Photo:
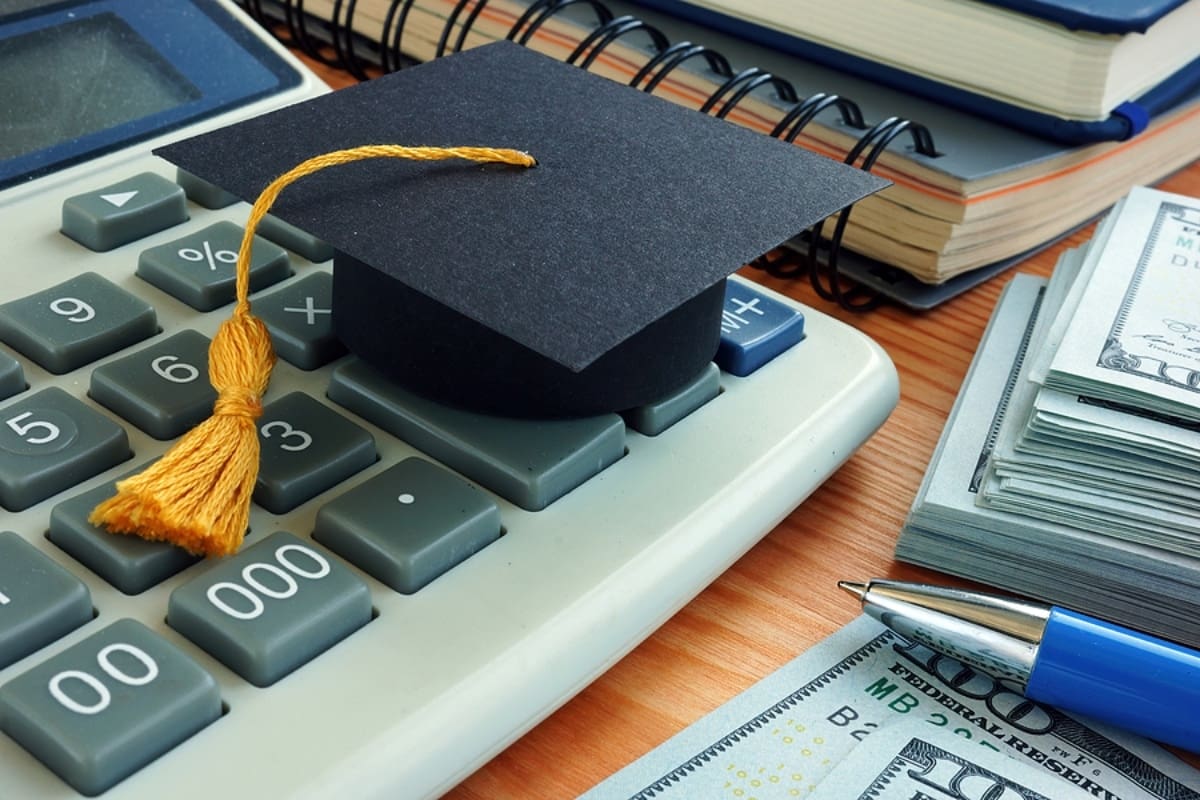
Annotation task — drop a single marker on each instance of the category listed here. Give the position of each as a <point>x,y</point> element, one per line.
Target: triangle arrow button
<point>119,199</point>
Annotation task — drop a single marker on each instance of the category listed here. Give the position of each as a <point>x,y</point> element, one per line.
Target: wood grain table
<point>782,596</point>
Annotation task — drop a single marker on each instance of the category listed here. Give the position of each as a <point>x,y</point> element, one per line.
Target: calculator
<point>420,584</point>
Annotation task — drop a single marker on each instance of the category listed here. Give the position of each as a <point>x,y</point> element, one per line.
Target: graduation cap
<point>592,282</point>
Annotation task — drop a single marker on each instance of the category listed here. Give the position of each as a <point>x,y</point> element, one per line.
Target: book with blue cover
<point>1073,71</point>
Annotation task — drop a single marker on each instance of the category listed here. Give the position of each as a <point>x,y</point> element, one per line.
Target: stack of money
<point>1068,467</point>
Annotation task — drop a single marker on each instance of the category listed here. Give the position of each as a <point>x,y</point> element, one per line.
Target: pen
<point>1054,656</point>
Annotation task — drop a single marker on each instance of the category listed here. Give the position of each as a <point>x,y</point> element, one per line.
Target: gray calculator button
<point>287,235</point>
<point>202,192</point>
<point>529,462</point>
<point>654,418</point>
<point>49,442</point>
<point>12,377</point>
<point>163,389</point>
<point>115,215</point>
<point>305,449</point>
<point>108,706</point>
<point>130,563</point>
<point>198,269</point>
<point>300,319</point>
<point>409,524</point>
<point>39,600</point>
<point>76,322</point>
<point>271,608</point>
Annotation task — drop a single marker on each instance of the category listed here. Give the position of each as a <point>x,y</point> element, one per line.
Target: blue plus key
<point>754,329</point>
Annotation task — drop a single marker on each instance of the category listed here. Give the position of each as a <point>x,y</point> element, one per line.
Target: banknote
<point>1138,345</point>
<point>1059,458</point>
<point>1069,465</point>
<point>1073,272</point>
<point>907,761</point>
<point>1129,582</point>
<point>783,736</point>
<point>1065,420</point>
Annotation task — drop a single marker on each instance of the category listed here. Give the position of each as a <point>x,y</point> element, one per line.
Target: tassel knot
<point>235,403</point>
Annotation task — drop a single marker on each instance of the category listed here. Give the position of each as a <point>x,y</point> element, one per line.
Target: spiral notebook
<point>969,199</point>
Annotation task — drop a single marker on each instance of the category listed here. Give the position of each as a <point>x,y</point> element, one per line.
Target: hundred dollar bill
<point>1128,582</point>
<point>1138,345</point>
<point>915,762</point>
<point>783,736</point>
<point>1059,459</point>
<point>1098,434</point>
<point>1072,273</point>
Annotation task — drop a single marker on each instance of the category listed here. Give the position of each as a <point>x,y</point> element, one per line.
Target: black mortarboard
<point>592,282</point>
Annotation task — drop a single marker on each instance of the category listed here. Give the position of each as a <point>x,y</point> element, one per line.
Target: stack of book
<point>1067,469</point>
<point>1041,116</point>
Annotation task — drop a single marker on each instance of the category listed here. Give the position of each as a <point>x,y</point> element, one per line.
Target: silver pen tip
<point>859,590</point>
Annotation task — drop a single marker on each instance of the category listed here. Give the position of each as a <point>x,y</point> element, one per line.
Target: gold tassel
<point>197,496</point>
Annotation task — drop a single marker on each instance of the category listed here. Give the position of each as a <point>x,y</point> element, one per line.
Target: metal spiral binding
<point>667,60</point>
<point>296,22</point>
<point>741,85</point>
<point>539,12</point>
<point>823,272</point>
<point>343,39</point>
<point>451,19</point>
<point>855,297</point>
<point>390,56</point>
<point>594,43</point>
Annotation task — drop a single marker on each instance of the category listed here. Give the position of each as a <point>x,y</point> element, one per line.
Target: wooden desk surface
<point>782,596</point>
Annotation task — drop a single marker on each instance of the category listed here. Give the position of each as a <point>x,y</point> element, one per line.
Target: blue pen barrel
<point>1138,682</point>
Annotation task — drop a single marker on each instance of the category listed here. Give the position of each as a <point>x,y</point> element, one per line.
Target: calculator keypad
<point>754,329</point>
<point>287,235</point>
<point>114,701</point>
<point>300,319</point>
<point>107,706</point>
<point>271,608</point>
<point>652,419</point>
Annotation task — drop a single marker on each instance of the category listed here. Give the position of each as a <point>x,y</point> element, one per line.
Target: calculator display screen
<point>67,81</point>
<point>81,78</point>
